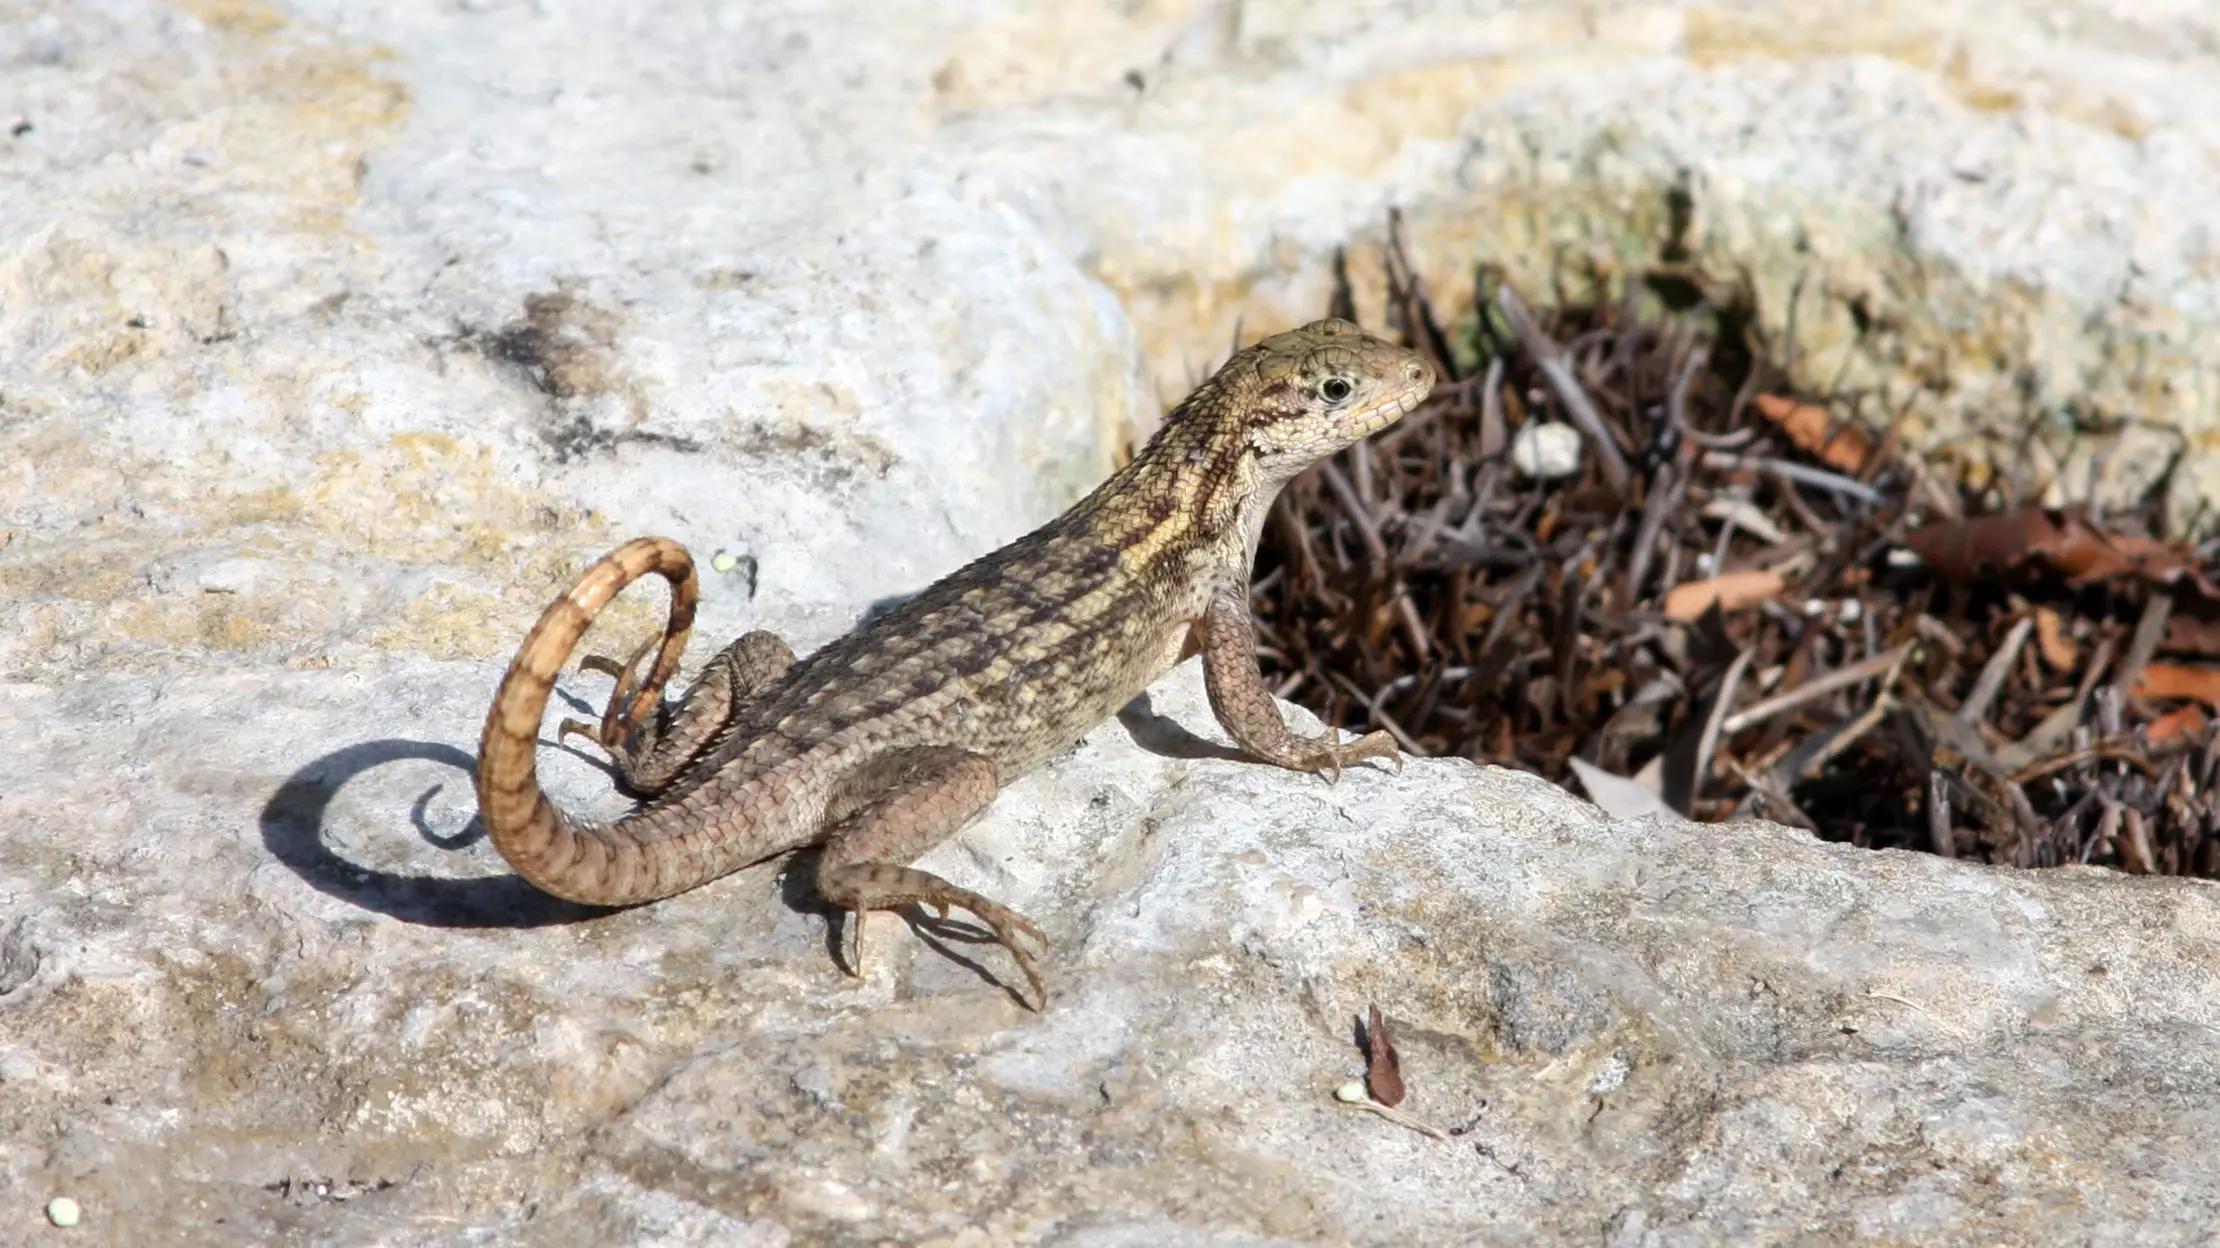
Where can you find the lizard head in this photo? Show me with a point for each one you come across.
(1301, 395)
(1271, 411)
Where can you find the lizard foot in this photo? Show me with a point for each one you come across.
(1328, 757)
(626, 710)
(1006, 924)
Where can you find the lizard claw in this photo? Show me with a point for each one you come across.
(855, 959)
(1007, 925)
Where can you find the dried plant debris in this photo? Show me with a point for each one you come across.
(1742, 602)
(1381, 1089)
(1383, 1066)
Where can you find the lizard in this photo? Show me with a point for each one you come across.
(888, 740)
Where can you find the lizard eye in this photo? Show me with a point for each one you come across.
(1335, 390)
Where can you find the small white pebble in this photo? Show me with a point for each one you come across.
(1546, 450)
(1352, 1092)
(62, 1211)
(1612, 1076)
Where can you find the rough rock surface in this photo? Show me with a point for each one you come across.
(334, 337)
(1646, 1033)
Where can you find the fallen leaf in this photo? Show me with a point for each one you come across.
(1383, 1069)
(1619, 797)
(2066, 542)
(1966, 550)
(1731, 590)
(2189, 633)
(2057, 649)
(1843, 445)
(2168, 681)
(2185, 723)
(2164, 564)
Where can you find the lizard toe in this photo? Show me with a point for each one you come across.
(601, 663)
(1008, 925)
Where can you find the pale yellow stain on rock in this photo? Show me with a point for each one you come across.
(455, 621)
(1917, 35)
(242, 16)
(275, 143)
(1945, 346)
(1912, 34)
(94, 298)
(421, 499)
(121, 298)
(300, 93)
(1054, 50)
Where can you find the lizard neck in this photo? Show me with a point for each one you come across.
(1194, 498)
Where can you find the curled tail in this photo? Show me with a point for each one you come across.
(595, 863)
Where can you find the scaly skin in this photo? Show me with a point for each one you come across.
(889, 740)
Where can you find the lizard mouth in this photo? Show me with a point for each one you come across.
(1386, 410)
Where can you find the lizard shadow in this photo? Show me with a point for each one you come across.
(1167, 737)
(292, 824)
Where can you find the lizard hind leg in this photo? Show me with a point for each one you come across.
(910, 801)
(652, 742)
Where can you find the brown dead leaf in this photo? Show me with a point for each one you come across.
(2058, 650)
(1383, 1070)
(1842, 444)
(1731, 590)
(2189, 633)
(2166, 681)
(2178, 725)
(2066, 542)
(2163, 564)
(1965, 550)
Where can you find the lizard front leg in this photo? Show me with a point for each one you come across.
(911, 800)
(1243, 702)
(651, 743)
